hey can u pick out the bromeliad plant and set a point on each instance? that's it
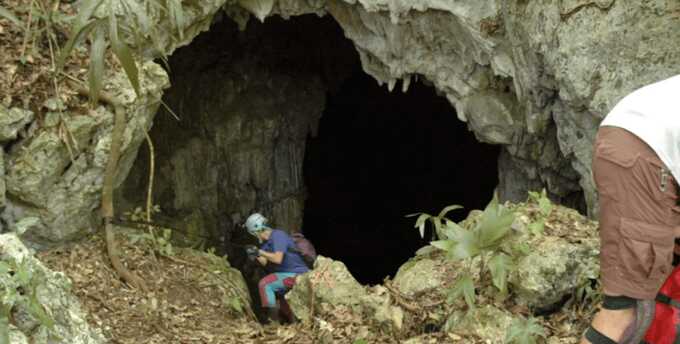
(483, 240)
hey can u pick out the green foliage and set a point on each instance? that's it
(500, 265)
(160, 243)
(360, 341)
(486, 235)
(106, 32)
(440, 221)
(523, 331)
(545, 207)
(19, 288)
(464, 287)
(234, 302)
(5, 13)
(484, 239)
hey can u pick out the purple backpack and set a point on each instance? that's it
(304, 249)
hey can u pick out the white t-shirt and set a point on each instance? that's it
(653, 114)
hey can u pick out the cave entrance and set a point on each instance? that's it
(379, 156)
(280, 118)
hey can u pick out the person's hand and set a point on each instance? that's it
(253, 252)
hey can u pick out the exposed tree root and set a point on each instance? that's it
(107, 188)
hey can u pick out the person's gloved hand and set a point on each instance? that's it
(253, 252)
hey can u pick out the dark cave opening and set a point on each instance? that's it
(379, 156)
(246, 100)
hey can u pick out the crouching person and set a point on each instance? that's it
(279, 253)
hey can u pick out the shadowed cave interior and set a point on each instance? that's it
(380, 156)
(280, 118)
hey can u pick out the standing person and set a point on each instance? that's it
(279, 253)
(636, 166)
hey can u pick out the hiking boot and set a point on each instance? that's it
(273, 314)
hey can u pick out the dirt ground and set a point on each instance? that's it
(190, 301)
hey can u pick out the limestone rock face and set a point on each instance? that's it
(487, 323)
(60, 182)
(53, 293)
(16, 336)
(331, 286)
(240, 142)
(549, 264)
(330, 282)
(2, 178)
(536, 77)
(553, 270)
(11, 121)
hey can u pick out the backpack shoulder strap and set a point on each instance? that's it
(665, 299)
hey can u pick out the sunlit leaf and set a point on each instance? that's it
(545, 205)
(4, 328)
(5, 13)
(420, 222)
(123, 54)
(23, 273)
(499, 265)
(38, 311)
(425, 250)
(494, 223)
(177, 16)
(465, 246)
(537, 227)
(452, 230)
(464, 287)
(524, 332)
(445, 245)
(96, 70)
(4, 268)
(85, 12)
(448, 209)
(76, 37)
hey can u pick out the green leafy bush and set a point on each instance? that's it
(484, 239)
(545, 207)
(523, 331)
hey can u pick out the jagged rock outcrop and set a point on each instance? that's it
(52, 292)
(239, 144)
(55, 173)
(535, 77)
(330, 287)
(548, 265)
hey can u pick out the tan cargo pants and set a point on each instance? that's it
(639, 215)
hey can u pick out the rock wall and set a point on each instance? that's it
(513, 68)
(54, 167)
(238, 147)
(535, 77)
(58, 316)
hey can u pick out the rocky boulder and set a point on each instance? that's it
(553, 252)
(46, 311)
(330, 286)
(55, 172)
(12, 121)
